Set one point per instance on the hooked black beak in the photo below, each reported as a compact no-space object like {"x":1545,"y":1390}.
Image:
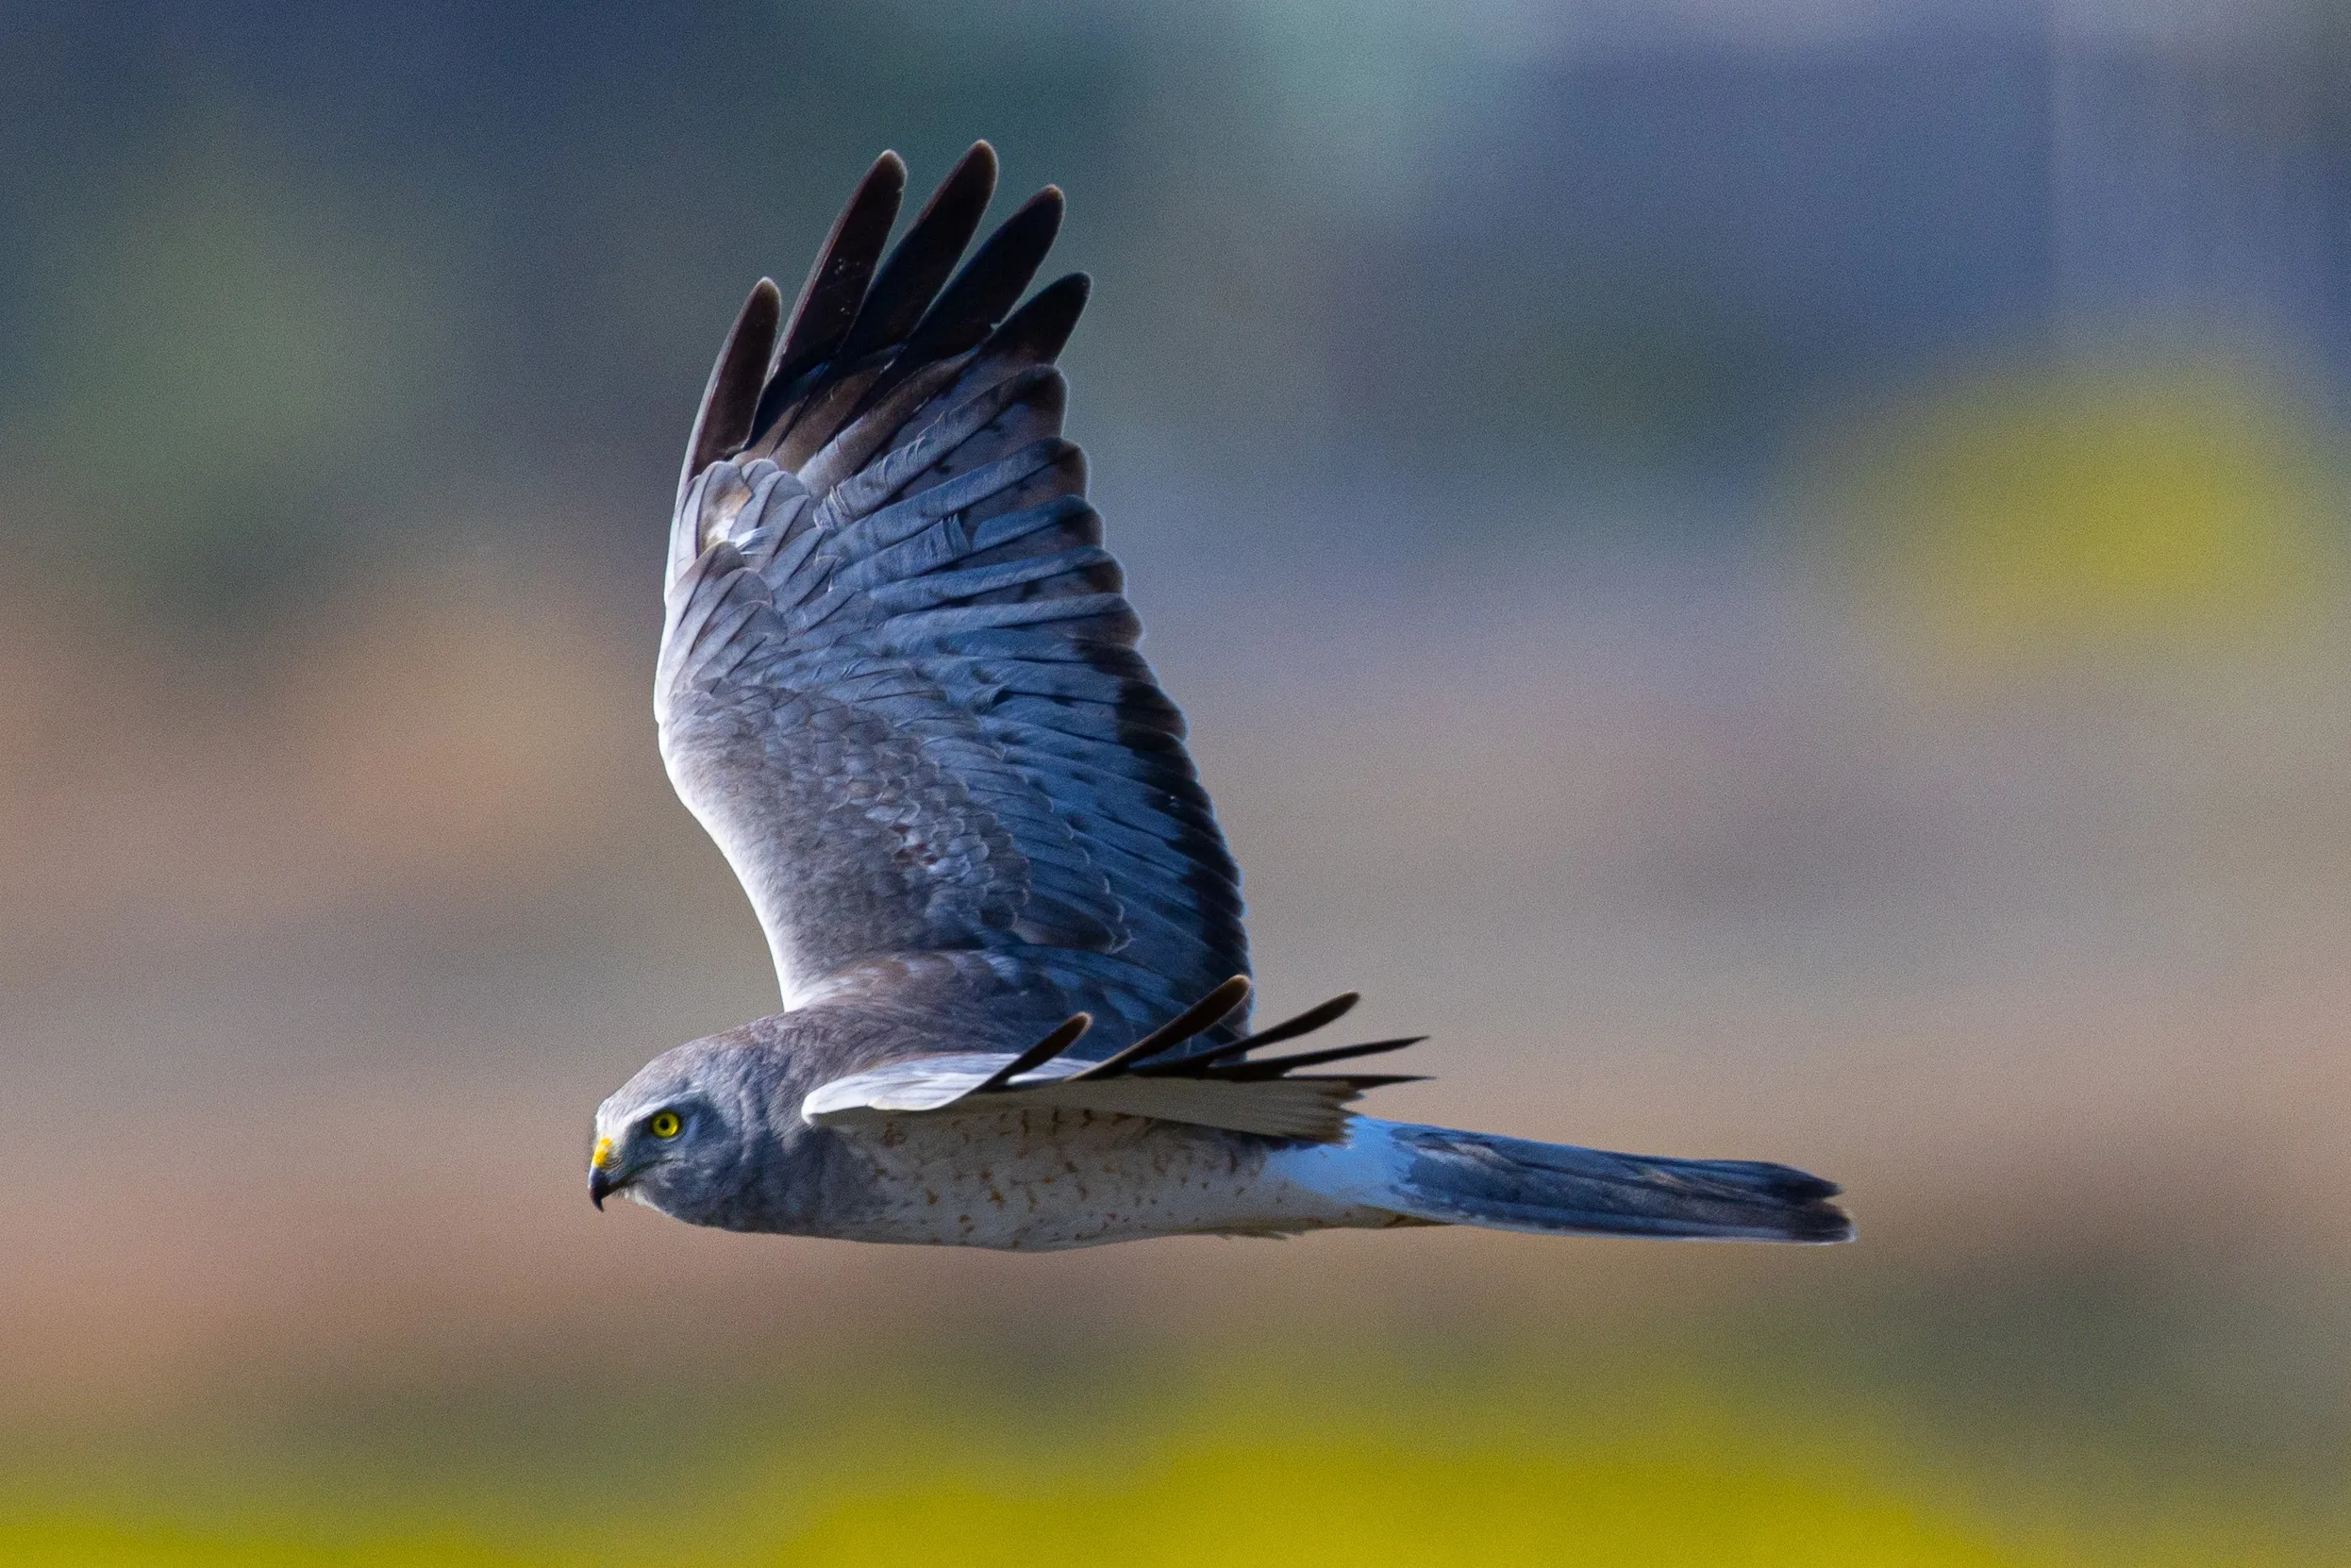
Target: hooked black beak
{"x":599,"y":1187}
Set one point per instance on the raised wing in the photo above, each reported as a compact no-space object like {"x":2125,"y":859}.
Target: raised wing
{"x":1218,"y":1088}
{"x":898,"y":681}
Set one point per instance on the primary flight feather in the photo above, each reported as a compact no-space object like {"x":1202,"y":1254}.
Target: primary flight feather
{"x":898,"y":684}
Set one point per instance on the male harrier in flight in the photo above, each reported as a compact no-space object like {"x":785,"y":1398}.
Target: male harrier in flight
{"x":899,"y":685}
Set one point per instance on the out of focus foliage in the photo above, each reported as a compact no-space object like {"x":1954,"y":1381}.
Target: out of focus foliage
{"x":287,"y":287}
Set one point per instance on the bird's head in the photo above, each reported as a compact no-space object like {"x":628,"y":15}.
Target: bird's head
{"x":677,"y":1136}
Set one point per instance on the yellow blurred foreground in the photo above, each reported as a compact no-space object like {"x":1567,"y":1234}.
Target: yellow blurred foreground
{"x":1621,"y":1454}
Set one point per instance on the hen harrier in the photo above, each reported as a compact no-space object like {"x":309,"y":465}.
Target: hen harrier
{"x":898,"y":684}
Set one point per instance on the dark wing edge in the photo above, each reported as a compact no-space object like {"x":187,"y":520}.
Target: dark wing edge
{"x":1218,"y":1089}
{"x":879,"y":515}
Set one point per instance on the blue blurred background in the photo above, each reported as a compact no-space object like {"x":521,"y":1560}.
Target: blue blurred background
{"x":1772,"y":574}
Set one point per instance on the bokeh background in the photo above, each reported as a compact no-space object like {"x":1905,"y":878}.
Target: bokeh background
{"x":1773,"y":573}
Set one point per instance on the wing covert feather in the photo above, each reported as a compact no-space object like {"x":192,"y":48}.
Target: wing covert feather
{"x":1309,"y":1109}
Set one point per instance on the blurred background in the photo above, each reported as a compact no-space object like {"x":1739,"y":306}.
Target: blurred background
{"x":1773,"y":573}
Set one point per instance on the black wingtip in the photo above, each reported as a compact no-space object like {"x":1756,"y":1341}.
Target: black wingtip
{"x":1063,"y":1036}
{"x":904,"y":284}
{"x":1203,"y":1015}
{"x":1049,"y":208}
{"x":1275,"y":1067}
{"x":829,"y":299}
{"x":1071,"y":291}
{"x":731,"y":398}
{"x":980,"y":296}
{"x":1319,"y":1016}
{"x":1037,"y":332}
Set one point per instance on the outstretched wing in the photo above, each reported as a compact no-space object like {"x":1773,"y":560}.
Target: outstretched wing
{"x":1217,"y":1088}
{"x":898,"y":680}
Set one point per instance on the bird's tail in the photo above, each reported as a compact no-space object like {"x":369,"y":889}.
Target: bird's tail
{"x":1451,"y":1178}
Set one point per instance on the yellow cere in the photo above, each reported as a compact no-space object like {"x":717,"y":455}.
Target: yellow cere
{"x":603,"y":1157}
{"x":665,"y":1124}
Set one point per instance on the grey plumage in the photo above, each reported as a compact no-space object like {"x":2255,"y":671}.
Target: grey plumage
{"x":899,"y":684}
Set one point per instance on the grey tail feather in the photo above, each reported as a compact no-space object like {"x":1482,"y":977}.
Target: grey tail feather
{"x":1515,"y":1184}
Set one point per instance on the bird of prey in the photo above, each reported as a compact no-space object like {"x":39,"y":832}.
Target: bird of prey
{"x":899,"y":685}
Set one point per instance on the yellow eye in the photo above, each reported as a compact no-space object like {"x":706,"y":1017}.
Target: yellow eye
{"x":664,"y":1125}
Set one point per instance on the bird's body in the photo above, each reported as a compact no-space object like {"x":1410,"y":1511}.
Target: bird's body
{"x":899,"y":685}
{"x":1049,"y":1179}
{"x":1027,"y":1178}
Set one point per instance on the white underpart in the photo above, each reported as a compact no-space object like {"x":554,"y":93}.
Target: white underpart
{"x":1050,"y":1177}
